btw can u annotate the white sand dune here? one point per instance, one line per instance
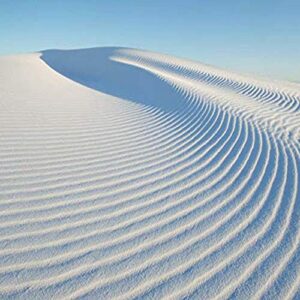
(131, 174)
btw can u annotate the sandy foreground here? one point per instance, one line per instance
(131, 174)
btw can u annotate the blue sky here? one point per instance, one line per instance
(253, 36)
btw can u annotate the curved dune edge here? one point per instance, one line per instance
(126, 174)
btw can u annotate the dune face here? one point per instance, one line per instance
(131, 174)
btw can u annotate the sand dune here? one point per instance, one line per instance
(131, 174)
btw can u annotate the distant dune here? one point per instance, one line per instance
(131, 174)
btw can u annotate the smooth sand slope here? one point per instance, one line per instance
(130, 174)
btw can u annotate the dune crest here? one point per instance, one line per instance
(126, 173)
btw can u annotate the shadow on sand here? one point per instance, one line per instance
(95, 69)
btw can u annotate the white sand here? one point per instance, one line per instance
(126, 173)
